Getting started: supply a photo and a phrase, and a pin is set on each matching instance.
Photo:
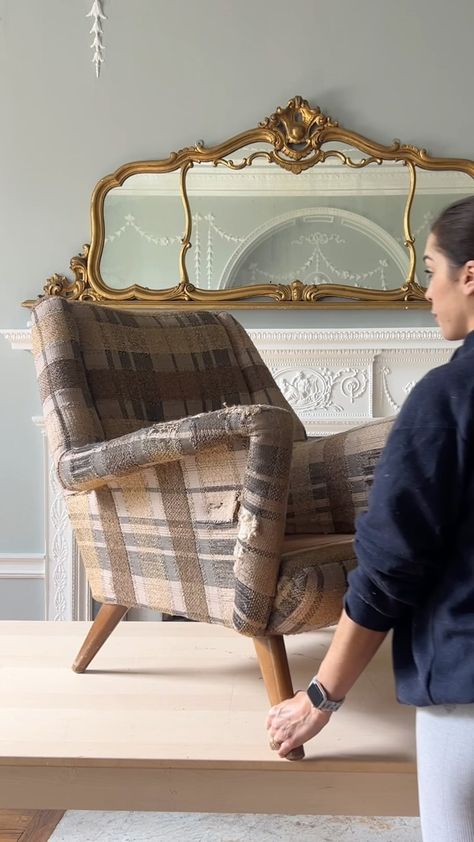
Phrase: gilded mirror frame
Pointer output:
(297, 134)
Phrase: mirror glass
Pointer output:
(331, 224)
(259, 224)
(434, 191)
(144, 226)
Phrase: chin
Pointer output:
(452, 334)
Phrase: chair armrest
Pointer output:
(92, 466)
(330, 478)
(197, 527)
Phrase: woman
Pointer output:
(415, 550)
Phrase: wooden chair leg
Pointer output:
(273, 662)
(108, 617)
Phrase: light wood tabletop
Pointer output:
(170, 716)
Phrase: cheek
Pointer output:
(441, 288)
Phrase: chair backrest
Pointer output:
(104, 372)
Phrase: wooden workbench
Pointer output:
(170, 716)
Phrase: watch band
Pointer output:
(319, 697)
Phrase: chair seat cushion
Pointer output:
(312, 583)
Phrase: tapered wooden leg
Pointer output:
(108, 617)
(273, 661)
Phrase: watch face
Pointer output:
(316, 695)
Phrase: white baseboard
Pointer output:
(22, 566)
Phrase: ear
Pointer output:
(467, 278)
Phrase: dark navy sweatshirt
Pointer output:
(415, 544)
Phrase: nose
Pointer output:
(428, 295)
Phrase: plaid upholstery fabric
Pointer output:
(144, 368)
(311, 585)
(174, 448)
(183, 514)
(331, 477)
(71, 419)
(198, 535)
(262, 389)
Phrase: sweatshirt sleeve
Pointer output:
(415, 499)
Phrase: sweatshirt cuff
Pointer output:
(364, 615)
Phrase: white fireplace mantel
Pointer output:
(334, 378)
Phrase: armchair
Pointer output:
(188, 478)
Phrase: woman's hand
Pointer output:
(293, 722)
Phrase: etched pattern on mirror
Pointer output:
(298, 212)
(327, 225)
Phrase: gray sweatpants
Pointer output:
(445, 761)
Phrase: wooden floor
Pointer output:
(28, 825)
(170, 716)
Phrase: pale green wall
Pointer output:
(174, 73)
(21, 599)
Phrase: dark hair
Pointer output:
(454, 231)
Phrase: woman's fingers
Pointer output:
(293, 722)
(270, 718)
(286, 747)
(276, 712)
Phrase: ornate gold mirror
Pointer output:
(298, 212)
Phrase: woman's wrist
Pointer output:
(315, 713)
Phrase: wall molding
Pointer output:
(97, 15)
(320, 338)
(19, 338)
(350, 338)
(22, 565)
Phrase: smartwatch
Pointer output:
(319, 697)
